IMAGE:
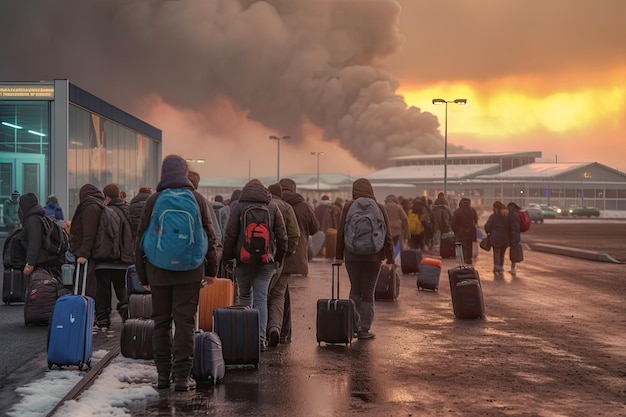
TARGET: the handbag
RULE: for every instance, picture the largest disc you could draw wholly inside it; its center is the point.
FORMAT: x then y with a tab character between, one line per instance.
516	253
485	243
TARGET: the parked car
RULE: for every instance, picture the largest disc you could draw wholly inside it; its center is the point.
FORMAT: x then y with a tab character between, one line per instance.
549	212
535	214
581	211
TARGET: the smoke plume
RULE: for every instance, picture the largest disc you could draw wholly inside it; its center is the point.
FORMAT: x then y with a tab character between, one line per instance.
284	62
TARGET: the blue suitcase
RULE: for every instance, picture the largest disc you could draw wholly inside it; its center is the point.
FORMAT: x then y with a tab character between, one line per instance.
70	338
238	329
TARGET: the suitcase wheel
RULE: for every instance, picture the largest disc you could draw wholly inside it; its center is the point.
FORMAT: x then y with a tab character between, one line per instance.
50	365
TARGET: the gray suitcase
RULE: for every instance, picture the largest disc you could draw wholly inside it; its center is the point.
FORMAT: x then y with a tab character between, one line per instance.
208	358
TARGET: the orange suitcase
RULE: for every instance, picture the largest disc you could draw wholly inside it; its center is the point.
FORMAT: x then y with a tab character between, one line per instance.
217	295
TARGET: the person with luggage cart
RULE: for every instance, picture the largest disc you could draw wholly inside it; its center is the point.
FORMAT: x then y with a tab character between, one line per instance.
363	266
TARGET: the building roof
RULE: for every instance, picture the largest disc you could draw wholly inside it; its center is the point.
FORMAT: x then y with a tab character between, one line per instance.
431	172
539	170
531	154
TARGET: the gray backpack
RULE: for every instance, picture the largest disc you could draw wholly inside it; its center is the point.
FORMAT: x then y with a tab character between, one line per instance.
365	229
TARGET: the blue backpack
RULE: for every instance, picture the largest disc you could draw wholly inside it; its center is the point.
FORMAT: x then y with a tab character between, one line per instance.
175	239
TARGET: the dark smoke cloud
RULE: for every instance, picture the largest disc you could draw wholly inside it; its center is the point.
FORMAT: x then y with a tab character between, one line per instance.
283	62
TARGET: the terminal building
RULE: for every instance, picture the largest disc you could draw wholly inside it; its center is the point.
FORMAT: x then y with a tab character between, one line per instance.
55	137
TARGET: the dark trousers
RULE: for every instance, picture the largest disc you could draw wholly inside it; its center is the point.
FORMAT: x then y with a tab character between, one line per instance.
363	277
177	303
468	249
104	278
498	255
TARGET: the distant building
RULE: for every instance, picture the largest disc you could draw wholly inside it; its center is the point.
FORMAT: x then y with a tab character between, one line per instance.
56	137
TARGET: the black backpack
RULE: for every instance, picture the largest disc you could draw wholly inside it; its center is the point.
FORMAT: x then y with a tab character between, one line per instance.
55	240
14	250
114	238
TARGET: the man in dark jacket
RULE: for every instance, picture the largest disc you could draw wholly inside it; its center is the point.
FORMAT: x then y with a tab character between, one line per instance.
363	270
442	217
298	264
136	207
516	253
113	271
464	224
254	279
83	232
175	294
31	213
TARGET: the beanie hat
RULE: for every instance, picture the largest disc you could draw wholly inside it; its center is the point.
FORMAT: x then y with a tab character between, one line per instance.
111	191
173	166
288	184
15	194
276	190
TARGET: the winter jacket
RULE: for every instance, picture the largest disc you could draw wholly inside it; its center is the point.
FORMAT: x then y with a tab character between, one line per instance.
498	228
120	206
298	264
465	221
10	212
54	209
321	210
442	217
255	195
135	209
32	213
398	220
152	275
291	224
85	220
363	188
514	223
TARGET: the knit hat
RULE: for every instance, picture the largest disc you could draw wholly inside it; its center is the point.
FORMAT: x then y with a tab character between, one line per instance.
287	184
15	194
173	166
276	190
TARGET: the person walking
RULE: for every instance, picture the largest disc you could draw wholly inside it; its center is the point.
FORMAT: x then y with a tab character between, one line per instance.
464	224
499	230
416	217
83	232
111	270
53	208
516	252
175	293
398	221
442	217
36	256
278	300
255	206
363	269
10	212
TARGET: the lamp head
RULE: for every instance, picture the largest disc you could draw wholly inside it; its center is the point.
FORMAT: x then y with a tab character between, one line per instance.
439	101
460	101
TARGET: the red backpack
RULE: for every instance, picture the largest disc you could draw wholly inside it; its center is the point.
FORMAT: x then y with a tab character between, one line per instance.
524	223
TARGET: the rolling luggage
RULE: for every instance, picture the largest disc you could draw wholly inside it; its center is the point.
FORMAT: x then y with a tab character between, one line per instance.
330	243
429	273
335	317
219	294
238	329
42	294
465	290
140	306
208	358
388	284
446	247
13	286
410	261
136	338
70	340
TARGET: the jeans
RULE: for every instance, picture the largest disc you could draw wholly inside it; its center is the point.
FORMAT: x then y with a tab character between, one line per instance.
276	300
498	255
254	281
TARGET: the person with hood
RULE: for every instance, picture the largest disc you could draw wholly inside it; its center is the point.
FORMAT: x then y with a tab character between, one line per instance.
398	221
442	217
175	294
278	300
83	232
254	278
298	264
217	205
136	207
31	212
10	212
53	208
498	228
322	208
363	270
113	271
225	211
516	253
464	224
329	227
194	177
416	219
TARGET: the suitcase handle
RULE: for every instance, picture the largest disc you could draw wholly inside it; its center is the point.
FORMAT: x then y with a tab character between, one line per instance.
458	247
77	280
333	280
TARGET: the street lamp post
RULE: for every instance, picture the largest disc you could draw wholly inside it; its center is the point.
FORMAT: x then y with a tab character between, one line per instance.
437	101
318	154
278	139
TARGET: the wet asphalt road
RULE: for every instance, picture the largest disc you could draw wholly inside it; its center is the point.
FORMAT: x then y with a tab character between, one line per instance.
423	362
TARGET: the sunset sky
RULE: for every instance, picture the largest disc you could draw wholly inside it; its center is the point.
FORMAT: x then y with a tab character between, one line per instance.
338	76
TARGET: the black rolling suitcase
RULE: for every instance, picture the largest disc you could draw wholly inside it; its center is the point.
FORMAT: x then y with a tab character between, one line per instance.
410	261
446	247
136	338
388	284
335	317
465	289
140	306
13	286
238	329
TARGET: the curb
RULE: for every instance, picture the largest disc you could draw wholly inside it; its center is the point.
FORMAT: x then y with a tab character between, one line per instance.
575	253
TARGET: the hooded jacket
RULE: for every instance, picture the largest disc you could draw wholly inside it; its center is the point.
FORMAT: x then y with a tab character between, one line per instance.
32	212
85	220
135	209
398	220
255	195
465	221
498	226
363	188
442	216
514	223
